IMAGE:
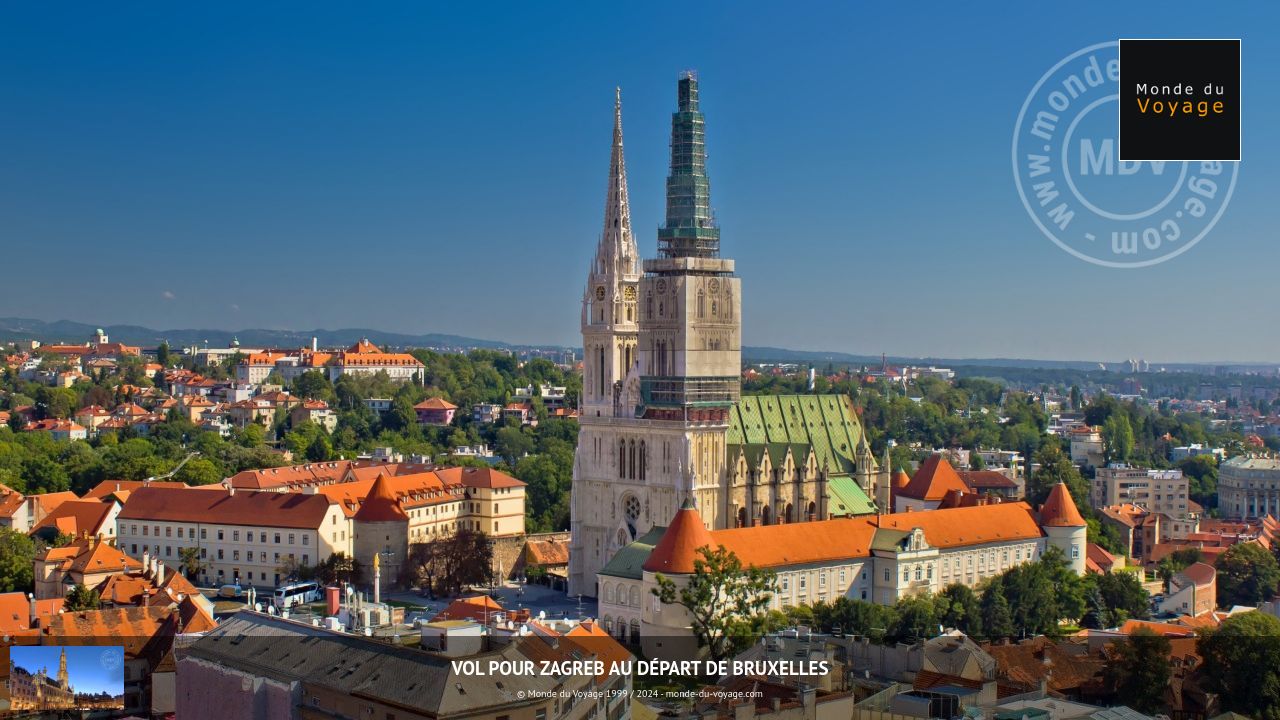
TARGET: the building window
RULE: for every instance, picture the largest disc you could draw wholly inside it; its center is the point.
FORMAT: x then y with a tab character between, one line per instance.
235	555
277	538
291	536
235	535
886	574
219	534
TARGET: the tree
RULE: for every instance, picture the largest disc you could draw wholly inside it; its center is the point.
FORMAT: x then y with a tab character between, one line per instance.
960	608
1055	467
1202	478
1123	597
17	556
1247	575
512	443
313	385
1077	397
1242	663
189	559
997	620
917	619
320	448
162	354
339	568
199	471
1095	610
79	598
448	565
1140	666
724	599
1117	437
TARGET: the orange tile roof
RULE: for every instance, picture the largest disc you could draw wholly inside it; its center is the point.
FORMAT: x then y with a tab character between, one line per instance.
15	611
108	487
793	543
435	404
839	538
10	501
140	630
48	502
1131	626
1059	510
960	527
933	480
381	504
1097	559
478	607
678	548
267	509
309	473
76	517
546	552
477	477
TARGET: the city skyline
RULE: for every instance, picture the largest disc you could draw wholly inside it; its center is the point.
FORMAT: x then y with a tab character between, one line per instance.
87	670
860	172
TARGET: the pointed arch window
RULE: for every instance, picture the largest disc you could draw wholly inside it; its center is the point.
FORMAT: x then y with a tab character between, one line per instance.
622	459
631	471
642	459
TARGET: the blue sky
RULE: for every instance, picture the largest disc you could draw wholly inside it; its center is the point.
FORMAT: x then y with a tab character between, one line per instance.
442	169
86	670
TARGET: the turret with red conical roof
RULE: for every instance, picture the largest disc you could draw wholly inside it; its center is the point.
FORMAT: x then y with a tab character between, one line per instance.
1065	527
381	504
1059	509
678	548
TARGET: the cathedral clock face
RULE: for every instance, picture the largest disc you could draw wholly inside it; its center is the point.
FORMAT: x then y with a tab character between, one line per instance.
629	294
714	286
662	286
600	293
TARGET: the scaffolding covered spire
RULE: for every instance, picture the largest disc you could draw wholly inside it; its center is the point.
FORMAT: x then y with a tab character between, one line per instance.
617	251
690	230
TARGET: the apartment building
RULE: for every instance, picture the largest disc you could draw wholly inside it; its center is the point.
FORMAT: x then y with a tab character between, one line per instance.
1159	491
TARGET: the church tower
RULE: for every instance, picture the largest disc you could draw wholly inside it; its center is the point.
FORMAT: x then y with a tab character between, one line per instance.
662	363
609	325
64	681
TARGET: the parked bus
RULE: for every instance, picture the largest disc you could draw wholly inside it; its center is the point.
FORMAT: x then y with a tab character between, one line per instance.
287	596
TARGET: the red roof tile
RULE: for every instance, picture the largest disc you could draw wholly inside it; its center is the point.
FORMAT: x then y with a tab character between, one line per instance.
678	548
933	480
269	509
381	504
1059	510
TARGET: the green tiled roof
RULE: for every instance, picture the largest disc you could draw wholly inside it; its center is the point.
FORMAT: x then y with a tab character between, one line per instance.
846	497
822	424
627	562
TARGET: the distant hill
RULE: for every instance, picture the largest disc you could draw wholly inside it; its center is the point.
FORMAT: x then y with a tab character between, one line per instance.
75	332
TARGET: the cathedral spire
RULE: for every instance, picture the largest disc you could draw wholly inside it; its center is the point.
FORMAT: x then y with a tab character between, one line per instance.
690	230
617	252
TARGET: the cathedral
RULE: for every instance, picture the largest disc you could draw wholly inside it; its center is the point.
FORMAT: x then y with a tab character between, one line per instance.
662	422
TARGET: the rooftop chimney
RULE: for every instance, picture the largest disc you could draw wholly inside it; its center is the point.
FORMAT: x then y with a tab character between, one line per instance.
33	619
